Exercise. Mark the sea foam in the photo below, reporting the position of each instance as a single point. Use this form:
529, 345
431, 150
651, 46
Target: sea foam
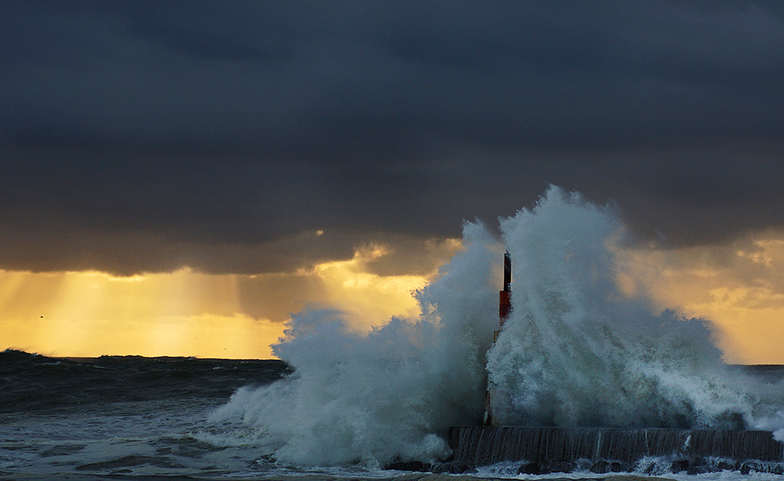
575, 351
393, 392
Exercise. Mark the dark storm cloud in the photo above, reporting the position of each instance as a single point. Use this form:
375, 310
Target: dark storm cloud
146, 135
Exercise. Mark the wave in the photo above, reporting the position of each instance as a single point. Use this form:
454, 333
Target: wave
575, 351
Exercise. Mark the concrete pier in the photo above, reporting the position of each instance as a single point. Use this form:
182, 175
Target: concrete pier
483, 446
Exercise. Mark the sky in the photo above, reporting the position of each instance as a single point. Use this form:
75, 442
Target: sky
179, 177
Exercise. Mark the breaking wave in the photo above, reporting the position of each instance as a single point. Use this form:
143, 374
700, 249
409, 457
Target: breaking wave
575, 351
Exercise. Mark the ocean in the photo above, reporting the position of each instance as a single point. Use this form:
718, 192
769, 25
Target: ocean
125, 416
153, 418
595, 379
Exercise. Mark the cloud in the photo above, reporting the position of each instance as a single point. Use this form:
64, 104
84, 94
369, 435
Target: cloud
144, 136
738, 285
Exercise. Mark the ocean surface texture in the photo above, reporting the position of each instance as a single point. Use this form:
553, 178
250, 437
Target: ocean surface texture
125, 416
149, 418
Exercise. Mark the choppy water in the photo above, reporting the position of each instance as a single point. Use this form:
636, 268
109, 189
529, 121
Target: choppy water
124, 415
143, 418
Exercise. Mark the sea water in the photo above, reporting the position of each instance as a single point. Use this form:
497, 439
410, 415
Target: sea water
576, 351
148, 418
124, 416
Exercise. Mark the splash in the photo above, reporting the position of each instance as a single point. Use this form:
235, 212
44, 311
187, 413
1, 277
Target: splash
576, 351
393, 392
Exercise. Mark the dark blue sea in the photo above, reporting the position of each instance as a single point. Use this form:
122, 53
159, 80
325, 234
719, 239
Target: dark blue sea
125, 416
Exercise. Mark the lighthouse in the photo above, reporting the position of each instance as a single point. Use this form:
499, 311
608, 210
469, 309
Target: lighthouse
505, 296
504, 309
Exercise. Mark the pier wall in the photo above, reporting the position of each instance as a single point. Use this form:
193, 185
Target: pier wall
483, 446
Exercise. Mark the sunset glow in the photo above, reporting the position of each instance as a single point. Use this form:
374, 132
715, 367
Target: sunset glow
368, 299
736, 286
186, 313
91, 313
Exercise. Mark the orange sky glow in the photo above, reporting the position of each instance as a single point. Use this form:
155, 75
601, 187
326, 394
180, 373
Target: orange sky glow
186, 313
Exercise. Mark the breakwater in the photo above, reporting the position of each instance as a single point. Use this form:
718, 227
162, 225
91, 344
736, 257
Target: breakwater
555, 449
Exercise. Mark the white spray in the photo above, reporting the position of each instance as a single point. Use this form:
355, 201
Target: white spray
576, 351
393, 392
